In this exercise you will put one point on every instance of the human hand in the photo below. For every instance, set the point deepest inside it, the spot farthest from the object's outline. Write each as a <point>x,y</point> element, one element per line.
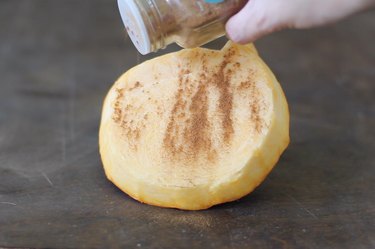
<point>261,17</point>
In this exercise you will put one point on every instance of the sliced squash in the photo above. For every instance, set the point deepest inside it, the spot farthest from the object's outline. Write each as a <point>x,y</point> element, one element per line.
<point>194,128</point>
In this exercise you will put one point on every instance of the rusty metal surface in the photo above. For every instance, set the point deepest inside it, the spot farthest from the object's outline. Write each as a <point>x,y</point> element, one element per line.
<point>58,60</point>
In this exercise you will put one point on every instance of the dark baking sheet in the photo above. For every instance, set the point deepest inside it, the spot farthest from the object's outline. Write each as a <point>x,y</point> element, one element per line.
<point>57,61</point>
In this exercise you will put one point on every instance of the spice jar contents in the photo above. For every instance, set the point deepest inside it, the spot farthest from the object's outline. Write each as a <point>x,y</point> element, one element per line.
<point>154,24</point>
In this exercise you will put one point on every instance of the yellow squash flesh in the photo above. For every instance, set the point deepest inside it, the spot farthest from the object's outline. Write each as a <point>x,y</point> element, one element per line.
<point>194,128</point>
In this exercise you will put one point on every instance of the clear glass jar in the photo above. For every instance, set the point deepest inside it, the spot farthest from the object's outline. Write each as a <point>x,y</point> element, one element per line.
<point>154,24</point>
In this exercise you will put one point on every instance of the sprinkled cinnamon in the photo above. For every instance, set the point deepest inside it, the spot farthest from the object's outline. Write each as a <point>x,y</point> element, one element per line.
<point>197,133</point>
<point>136,85</point>
<point>122,115</point>
<point>254,102</point>
<point>222,81</point>
<point>196,137</point>
<point>117,115</point>
<point>173,131</point>
<point>189,131</point>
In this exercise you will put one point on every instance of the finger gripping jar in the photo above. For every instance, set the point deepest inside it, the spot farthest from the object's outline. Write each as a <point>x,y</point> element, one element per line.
<point>154,24</point>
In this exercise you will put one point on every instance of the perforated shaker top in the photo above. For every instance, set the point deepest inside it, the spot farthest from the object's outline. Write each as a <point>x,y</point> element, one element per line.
<point>135,26</point>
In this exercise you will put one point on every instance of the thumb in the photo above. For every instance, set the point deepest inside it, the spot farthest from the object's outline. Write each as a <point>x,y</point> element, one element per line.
<point>256,19</point>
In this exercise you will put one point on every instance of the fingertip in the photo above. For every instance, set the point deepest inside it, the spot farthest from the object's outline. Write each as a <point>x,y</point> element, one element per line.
<point>239,27</point>
<point>233,31</point>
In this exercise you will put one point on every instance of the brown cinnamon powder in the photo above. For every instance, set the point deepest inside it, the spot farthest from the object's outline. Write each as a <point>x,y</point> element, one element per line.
<point>117,115</point>
<point>136,85</point>
<point>255,118</point>
<point>173,131</point>
<point>121,116</point>
<point>197,137</point>
<point>222,81</point>
<point>191,20</point>
<point>189,134</point>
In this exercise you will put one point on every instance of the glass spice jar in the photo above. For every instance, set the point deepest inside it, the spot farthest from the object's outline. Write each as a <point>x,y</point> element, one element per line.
<point>154,24</point>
